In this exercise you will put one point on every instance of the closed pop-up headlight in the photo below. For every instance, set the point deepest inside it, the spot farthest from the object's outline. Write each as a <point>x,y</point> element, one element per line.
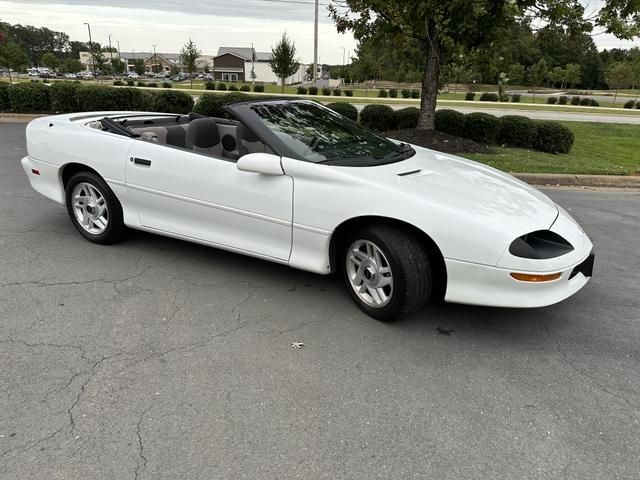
<point>540,245</point>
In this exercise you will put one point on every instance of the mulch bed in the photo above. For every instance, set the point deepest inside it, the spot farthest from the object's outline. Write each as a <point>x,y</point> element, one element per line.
<point>439,141</point>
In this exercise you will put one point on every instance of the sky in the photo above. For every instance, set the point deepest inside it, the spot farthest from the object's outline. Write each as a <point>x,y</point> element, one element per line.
<point>210,23</point>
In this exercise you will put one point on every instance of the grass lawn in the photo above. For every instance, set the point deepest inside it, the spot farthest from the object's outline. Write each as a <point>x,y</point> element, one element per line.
<point>600,149</point>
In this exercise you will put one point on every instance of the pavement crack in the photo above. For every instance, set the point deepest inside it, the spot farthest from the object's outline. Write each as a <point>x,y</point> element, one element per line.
<point>142,458</point>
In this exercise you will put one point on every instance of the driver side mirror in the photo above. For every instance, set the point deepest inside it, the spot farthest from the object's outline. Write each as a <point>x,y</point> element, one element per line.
<point>265,163</point>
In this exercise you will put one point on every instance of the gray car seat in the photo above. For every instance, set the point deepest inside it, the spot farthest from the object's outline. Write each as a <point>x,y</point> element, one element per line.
<point>247,141</point>
<point>203,137</point>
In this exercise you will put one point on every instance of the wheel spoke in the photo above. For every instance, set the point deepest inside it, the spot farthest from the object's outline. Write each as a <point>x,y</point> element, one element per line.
<point>384,281</point>
<point>86,221</point>
<point>358,278</point>
<point>375,295</point>
<point>359,255</point>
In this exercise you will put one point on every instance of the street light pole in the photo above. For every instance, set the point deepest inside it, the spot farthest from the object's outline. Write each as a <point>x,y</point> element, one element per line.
<point>315,46</point>
<point>110,54</point>
<point>93,61</point>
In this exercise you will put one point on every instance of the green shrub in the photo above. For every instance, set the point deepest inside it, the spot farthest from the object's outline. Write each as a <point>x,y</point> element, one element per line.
<point>245,88</point>
<point>209,86</point>
<point>167,85</point>
<point>382,93</point>
<point>585,102</point>
<point>503,97</point>
<point>213,105</point>
<point>378,117</point>
<point>35,80</point>
<point>337,92</point>
<point>594,103</point>
<point>98,98</point>
<point>46,80</point>
<point>575,100</point>
<point>326,91</point>
<point>130,83</point>
<point>489,97</point>
<point>516,97</point>
<point>393,93</point>
<point>30,98</point>
<point>482,127</point>
<point>313,90</point>
<point>258,88</point>
<point>4,96</point>
<point>64,97</point>
<point>407,117</point>
<point>301,90</point>
<point>348,93</point>
<point>406,93</point>
<point>629,104</point>
<point>344,109</point>
<point>415,93</point>
<point>221,86</point>
<point>173,101</point>
<point>552,100</point>
<point>151,85</point>
<point>450,121</point>
<point>563,99</point>
<point>517,131</point>
<point>553,137</point>
<point>470,96</point>
<point>118,83</point>
<point>233,88</point>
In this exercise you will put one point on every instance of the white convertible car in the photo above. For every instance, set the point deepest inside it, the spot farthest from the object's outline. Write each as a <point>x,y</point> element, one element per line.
<point>292,182</point>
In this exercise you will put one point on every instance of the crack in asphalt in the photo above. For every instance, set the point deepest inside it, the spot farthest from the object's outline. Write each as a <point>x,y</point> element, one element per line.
<point>142,458</point>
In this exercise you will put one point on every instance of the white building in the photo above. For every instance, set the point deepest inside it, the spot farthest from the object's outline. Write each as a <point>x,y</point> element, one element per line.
<point>255,66</point>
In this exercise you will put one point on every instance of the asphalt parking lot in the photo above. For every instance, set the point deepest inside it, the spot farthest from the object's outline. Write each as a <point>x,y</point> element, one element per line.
<point>159,359</point>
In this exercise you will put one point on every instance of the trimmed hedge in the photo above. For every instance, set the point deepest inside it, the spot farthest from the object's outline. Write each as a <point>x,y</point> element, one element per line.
<point>563,99</point>
<point>393,93</point>
<point>64,97</point>
<point>345,109</point>
<point>348,93</point>
<point>151,85</point>
<point>4,96</point>
<point>470,96</point>
<point>233,88</point>
<point>130,83</point>
<point>213,105</point>
<point>552,100</point>
<point>326,91</point>
<point>517,131</point>
<point>258,88</point>
<point>245,88</point>
<point>337,92</point>
<point>30,98</point>
<point>489,97</point>
<point>516,97</point>
<point>482,127</point>
<point>172,101</point>
<point>415,93</point>
<point>575,100</point>
<point>301,90</point>
<point>407,117</point>
<point>553,137</point>
<point>378,117</point>
<point>313,90</point>
<point>209,86</point>
<point>97,98</point>
<point>118,83</point>
<point>451,122</point>
<point>406,93</point>
<point>628,104</point>
<point>221,86</point>
<point>167,85</point>
<point>585,102</point>
<point>382,93</point>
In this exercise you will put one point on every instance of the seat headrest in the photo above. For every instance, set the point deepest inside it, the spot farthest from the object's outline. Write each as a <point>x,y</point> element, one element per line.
<point>203,133</point>
<point>245,134</point>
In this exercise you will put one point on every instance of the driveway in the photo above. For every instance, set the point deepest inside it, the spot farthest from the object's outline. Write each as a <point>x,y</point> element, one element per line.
<point>160,359</point>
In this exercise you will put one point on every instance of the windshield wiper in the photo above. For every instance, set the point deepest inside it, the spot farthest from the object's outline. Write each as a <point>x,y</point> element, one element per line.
<point>403,152</point>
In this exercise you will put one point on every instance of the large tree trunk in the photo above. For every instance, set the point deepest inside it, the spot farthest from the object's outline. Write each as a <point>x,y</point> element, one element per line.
<point>430,80</point>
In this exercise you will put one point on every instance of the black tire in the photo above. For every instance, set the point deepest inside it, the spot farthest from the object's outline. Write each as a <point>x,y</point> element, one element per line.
<point>115,228</point>
<point>410,269</point>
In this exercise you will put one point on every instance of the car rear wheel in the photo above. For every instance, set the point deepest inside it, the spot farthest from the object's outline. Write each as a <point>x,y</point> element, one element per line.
<point>386,271</point>
<point>94,209</point>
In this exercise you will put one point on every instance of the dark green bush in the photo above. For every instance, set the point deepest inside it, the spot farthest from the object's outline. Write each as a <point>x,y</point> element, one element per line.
<point>173,101</point>
<point>151,85</point>
<point>98,98</point>
<point>233,88</point>
<point>553,137</point>
<point>503,97</point>
<point>221,86</point>
<point>348,93</point>
<point>258,88</point>
<point>629,104</point>
<point>378,117</point>
<point>313,90</point>
<point>130,83</point>
<point>594,103</point>
<point>575,100</point>
<point>563,99</point>
<point>30,98</point>
<point>516,97</point>
<point>35,80</point>
<point>213,105</point>
<point>393,93</point>
<point>326,91</point>
<point>415,93</point>
<point>382,93</point>
<point>337,92</point>
<point>301,90</point>
<point>470,96</point>
<point>482,127</point>
<point>167,85</point>
<point>118,83</point>
<point>4,96</point>
<point>585,102</point>
<point>245,88</point>
<point>345,109</point>
<point>64,97</point>
<point>450,121</point>
<point>552,100</point>
<point>407,117</point>
<point>46,80</point>
<point>406,93</point>
<point>209,86</point>
<point>517,131</point>
<point>489,97</point>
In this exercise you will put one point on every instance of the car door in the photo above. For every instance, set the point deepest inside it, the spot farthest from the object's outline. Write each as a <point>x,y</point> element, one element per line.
<point>208,199</point>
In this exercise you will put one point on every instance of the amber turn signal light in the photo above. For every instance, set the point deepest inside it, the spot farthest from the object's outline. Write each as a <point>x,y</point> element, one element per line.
<point>525,277</point>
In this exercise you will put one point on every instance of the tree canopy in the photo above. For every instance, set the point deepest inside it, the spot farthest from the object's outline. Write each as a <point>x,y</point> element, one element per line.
<point>283,59</point>
<point>188,56</point>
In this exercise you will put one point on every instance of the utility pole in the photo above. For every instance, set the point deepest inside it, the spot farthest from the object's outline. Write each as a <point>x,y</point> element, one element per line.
<point>155,60</point>
<point>315,47</point>
<point>126,67</point>
<point>111,55</point>
<point>93,61</point>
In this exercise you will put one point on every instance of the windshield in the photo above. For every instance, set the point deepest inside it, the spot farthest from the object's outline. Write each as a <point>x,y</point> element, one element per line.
<point>317,134</point>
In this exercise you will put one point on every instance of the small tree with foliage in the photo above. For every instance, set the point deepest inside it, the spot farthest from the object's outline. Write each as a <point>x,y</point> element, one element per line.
<point>619,75</point>
<point>283,61</point>
<point>537,75</point>
<point>11,55</point>
<point>573,74</point>
<point>138,66</point>
<point>50,61</point>
<point>72,65</point>
<point>188,56</point>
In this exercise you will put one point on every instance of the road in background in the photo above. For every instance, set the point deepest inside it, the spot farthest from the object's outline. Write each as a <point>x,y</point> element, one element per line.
<point>157,358</point>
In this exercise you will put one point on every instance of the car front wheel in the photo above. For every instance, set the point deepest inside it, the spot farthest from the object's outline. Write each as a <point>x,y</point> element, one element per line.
<point>386,271</point>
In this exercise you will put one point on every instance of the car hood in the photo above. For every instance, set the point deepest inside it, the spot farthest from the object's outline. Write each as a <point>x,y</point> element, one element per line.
<point>491,196</point>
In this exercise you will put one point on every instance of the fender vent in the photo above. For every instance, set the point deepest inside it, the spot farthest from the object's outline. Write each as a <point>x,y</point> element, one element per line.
<point>410,172</point>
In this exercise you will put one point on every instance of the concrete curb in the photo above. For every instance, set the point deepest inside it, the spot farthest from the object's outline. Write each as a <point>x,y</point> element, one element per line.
<point>19,117</point>
<point>559,179</point>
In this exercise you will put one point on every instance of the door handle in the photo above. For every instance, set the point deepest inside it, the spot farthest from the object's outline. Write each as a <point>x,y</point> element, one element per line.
<point>141,161</point>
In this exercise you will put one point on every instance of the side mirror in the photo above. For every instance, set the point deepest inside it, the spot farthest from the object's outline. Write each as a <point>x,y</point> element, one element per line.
<point>264,163</point>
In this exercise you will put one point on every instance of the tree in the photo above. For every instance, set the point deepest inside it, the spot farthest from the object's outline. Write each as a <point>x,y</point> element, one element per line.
<point>12,56</point>
<point>515,72</point>
<point>283,61</point>
<point>537,75</point>
<point>118,66</point>
<point>443,29</point>
<point>72,65</point>
<point>138,66</point>
<point>619,75</point>
<point>188,56</point>
<point>573,75</point>
<point>50,61</point>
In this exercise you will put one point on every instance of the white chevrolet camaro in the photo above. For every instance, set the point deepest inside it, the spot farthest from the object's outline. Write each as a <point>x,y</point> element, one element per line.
<point>292,182</point>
